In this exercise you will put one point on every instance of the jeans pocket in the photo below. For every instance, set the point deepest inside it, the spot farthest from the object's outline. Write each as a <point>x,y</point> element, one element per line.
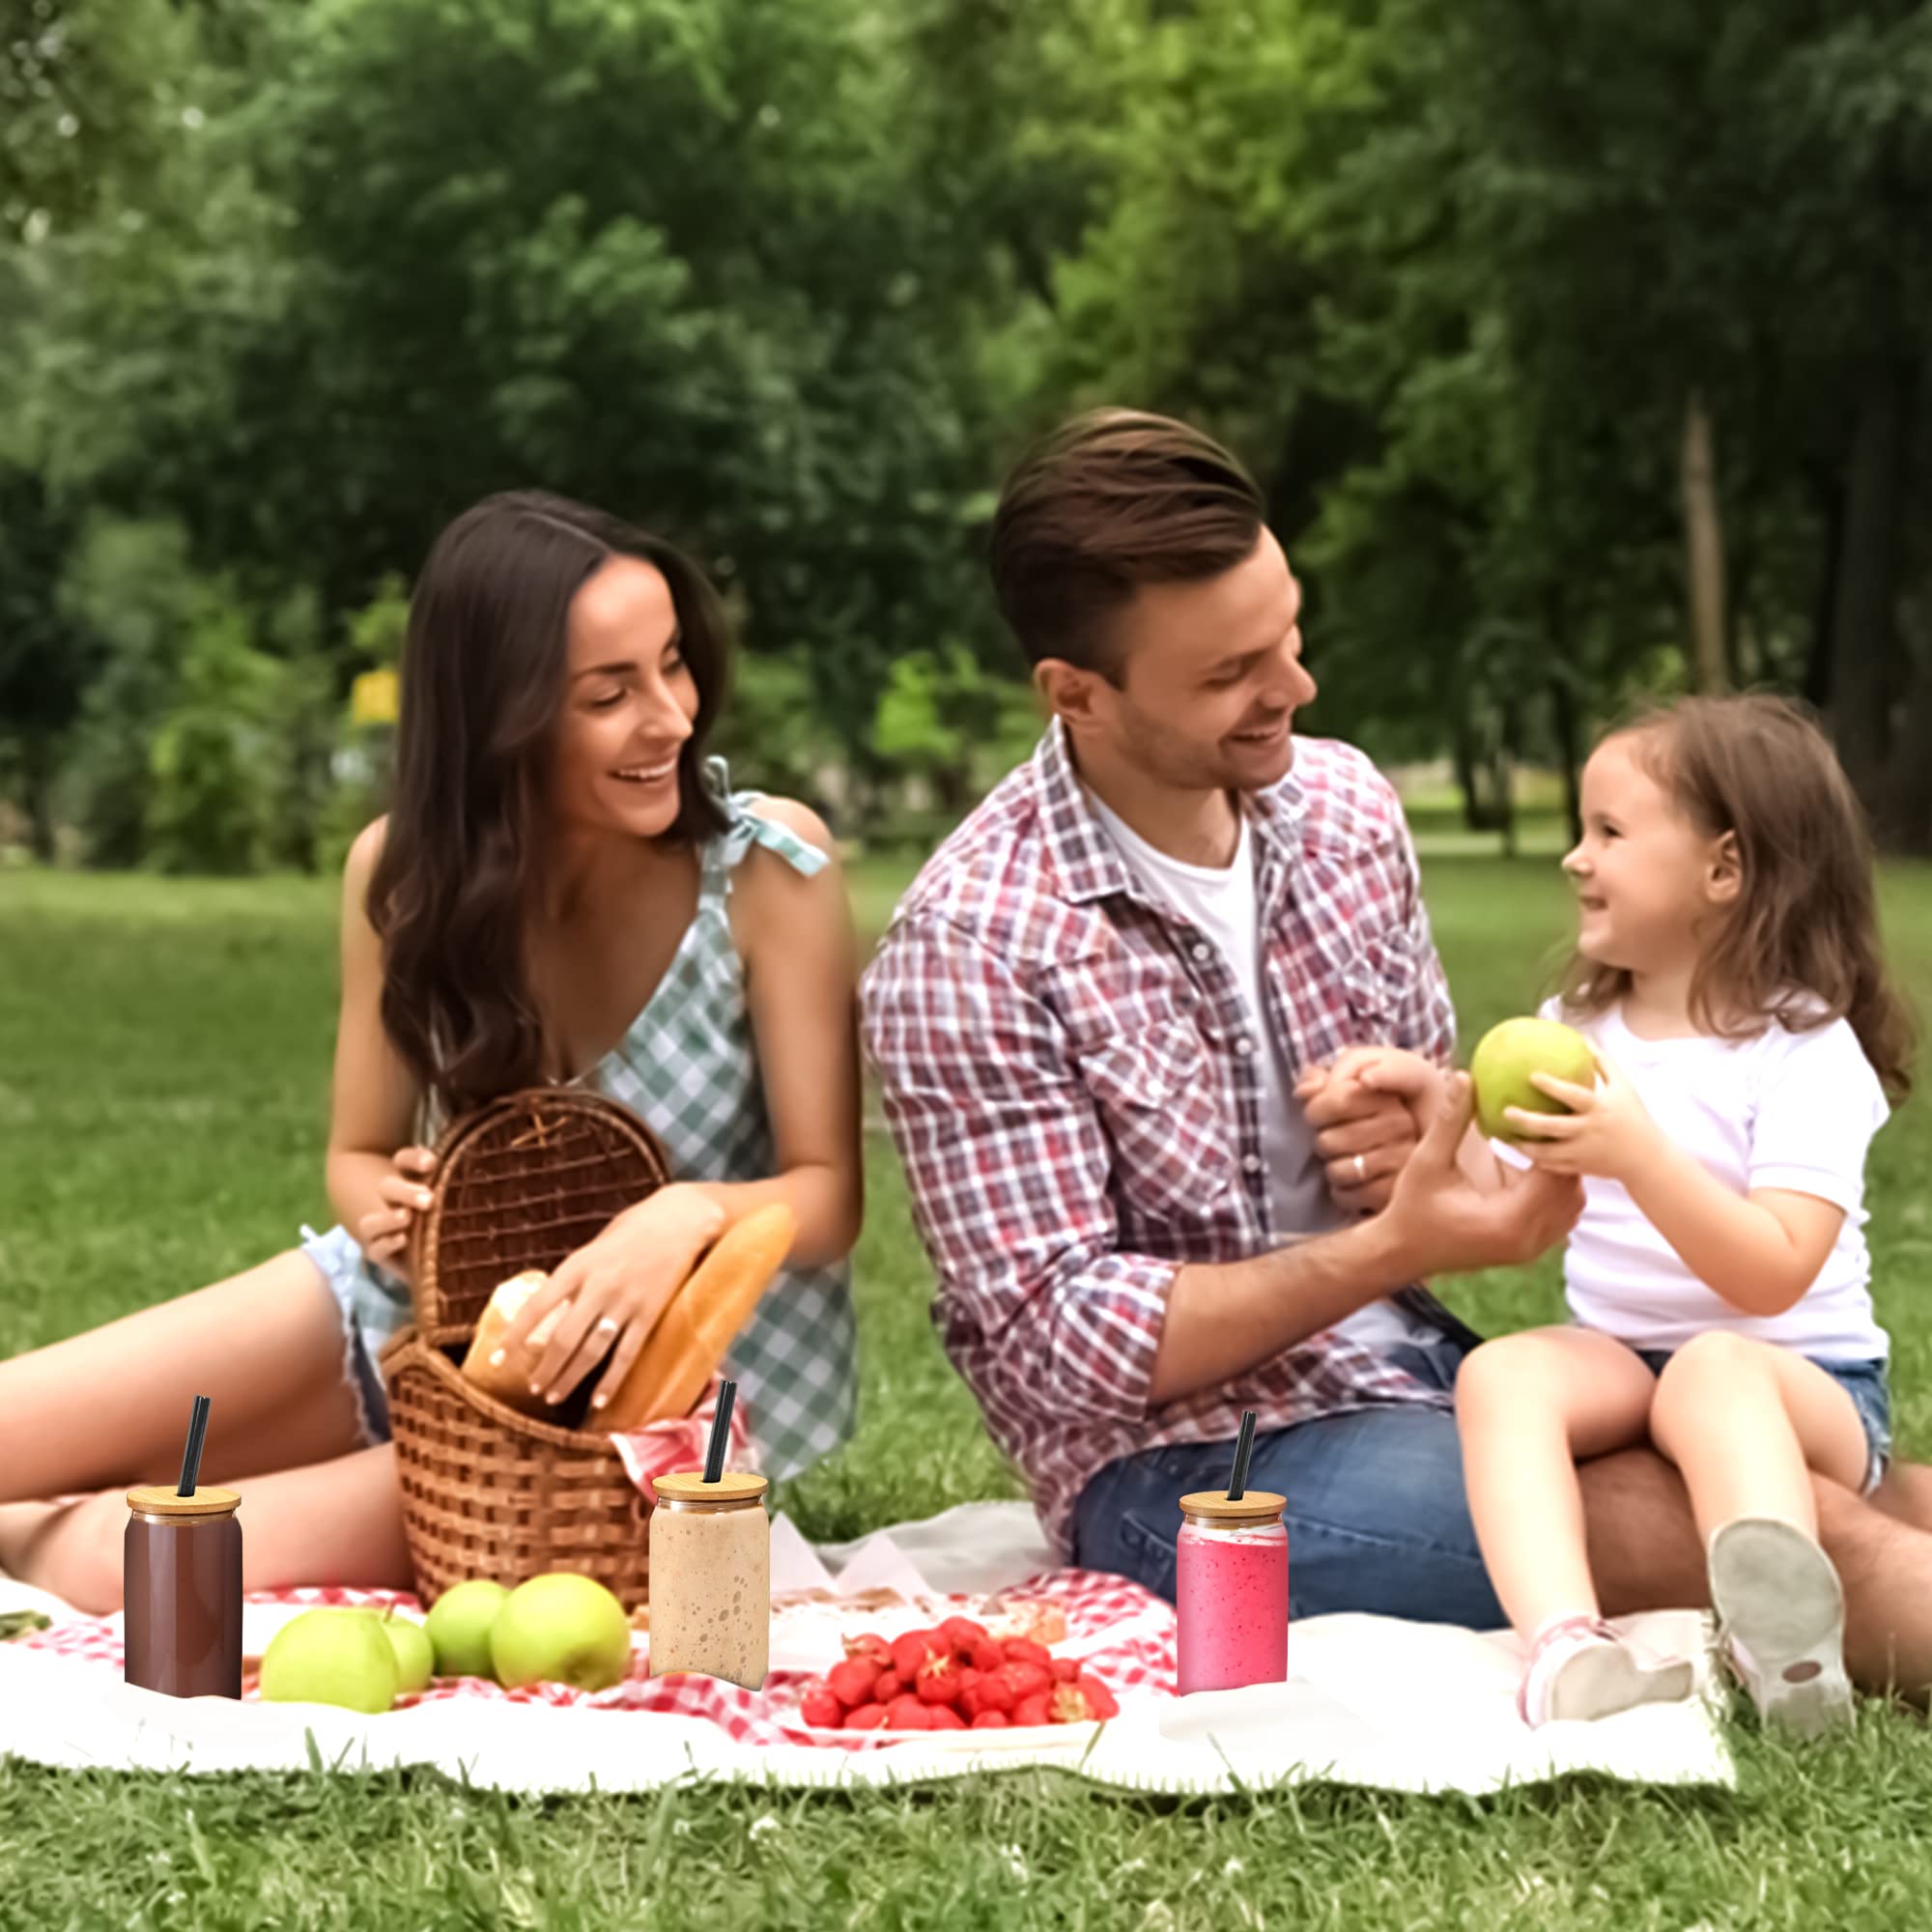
<point>1150,1557</point>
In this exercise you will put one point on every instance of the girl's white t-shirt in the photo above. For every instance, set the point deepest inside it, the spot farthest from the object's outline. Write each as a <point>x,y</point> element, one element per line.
<point>1790,1110</point>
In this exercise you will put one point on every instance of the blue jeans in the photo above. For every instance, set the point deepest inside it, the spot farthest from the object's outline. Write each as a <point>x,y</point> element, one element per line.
<point>1377,1516</point>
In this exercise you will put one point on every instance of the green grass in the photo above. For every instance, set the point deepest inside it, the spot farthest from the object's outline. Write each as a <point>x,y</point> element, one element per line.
<point>164,1084</point>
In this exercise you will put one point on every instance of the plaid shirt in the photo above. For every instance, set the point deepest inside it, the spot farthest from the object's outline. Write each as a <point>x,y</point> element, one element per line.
<point>1070,1077</point>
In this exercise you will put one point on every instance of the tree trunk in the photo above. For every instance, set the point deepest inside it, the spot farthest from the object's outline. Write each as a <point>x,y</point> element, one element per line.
<point>1463,753</point>
<point>1567,728</point>
<point>1909,793</point>
<point>1817,687</point>
<point>1864,622</point>
<point>1507,740</point>
<point>1703,551</point>
<point>37,762</point>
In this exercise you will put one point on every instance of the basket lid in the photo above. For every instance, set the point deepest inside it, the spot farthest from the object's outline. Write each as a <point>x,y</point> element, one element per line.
<point>1256,1506</point>
<point>688,1485</point>
<point>161,1500</point>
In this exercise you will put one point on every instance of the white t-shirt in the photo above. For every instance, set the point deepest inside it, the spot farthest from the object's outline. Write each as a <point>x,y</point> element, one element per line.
<point>1788,1110</point>
<point>1220,903</point>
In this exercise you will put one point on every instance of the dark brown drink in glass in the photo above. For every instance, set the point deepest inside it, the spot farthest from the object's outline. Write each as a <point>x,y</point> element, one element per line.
<point>182,1583</point>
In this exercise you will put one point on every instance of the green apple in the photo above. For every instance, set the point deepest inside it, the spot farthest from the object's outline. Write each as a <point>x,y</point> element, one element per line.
<point>561,1628</point>
<point>459,1627</point>
<point>1505,1058</point>
<point>415,1655</point>
<point>331,1657</point>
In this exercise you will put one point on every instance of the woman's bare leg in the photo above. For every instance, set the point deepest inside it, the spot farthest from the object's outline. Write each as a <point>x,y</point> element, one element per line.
<point>110,1408</point>
<point>335,1523</point>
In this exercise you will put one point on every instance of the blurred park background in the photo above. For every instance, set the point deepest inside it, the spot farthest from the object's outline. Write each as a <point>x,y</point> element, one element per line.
<point>1581,346</point>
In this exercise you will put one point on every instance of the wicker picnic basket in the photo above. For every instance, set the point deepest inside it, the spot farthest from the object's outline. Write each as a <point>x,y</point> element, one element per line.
<point>487,1492</point>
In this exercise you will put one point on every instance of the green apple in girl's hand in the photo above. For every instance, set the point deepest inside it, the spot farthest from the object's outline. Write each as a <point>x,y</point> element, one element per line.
<point>1509,1054</point>
<point>459,1627</point>
<point>331,1657</point>
<point>415,1655</point>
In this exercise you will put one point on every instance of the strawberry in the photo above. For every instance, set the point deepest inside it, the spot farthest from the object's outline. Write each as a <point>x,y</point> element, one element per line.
<point>912,1649</point>
<point>1033,1711</point>
<point>991,1720</point>
<point>866,1717</point>
<point>968,1677</point>
<point>962,1633</point>
<point>1100,1699</point>
<point>819,1706</point>
<point>944,1717</point>
<point>1023,1650</point>
<point>851,1683</point>
<point>1070,1706</point>
<point>907,1714</point>
<point>871,1649</point>
<point>938,1681</point>
<point>992,1693</point>
<point>1026,1680</point>
<point>988,1656</point>
<point>891,1685</point>
<point>1065,1670</point>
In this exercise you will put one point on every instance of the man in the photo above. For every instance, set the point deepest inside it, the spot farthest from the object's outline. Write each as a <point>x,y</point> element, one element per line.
<point>1119,1022</point>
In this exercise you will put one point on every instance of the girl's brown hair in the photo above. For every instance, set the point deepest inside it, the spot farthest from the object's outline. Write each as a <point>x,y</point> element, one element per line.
<point>484,672</point>
<point>1803,930</point>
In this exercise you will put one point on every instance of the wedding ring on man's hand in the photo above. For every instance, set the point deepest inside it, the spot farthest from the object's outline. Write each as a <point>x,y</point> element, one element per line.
<point>608,1326</point>
<point>1361,1169</point>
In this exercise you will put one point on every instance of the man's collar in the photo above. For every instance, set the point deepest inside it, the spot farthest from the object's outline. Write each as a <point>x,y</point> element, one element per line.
<point>1086,864</point>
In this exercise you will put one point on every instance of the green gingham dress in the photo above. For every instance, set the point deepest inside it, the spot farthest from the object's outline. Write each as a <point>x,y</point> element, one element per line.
<point>687,1067</point>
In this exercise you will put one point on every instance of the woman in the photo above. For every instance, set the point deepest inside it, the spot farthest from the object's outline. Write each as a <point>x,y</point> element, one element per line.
<point>565,892</point>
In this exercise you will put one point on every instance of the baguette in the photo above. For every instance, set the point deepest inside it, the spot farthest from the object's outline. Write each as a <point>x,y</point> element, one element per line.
<point>702,1320</point>
<point>509,1381</point>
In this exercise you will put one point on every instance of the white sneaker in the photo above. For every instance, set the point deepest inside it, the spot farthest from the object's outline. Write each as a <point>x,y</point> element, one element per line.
<point>1581,1669</point>
<point>1782,1618</point>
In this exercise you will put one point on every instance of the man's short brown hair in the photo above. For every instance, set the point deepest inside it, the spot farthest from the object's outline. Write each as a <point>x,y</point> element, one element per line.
<point>1102,505</point>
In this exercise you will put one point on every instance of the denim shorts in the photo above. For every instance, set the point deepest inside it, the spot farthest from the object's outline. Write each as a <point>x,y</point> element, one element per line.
<point>1377,1516</point>
<point>370,1314</point>
<point>1866,1385</point>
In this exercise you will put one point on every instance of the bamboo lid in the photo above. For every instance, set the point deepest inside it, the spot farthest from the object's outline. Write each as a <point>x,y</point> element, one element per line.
<point>689,1486</point>
<point>161,1500</point>
<point>1256,1506</point>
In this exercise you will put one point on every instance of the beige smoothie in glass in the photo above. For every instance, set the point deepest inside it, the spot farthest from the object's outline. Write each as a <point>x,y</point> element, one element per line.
<point>711,1577</point>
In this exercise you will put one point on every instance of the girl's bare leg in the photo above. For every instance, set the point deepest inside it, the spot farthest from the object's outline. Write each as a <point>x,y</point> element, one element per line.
<point>335,1523</point>
<point>1529,1407</point>
<point>1747,1424</point>
<point>109,1408</point>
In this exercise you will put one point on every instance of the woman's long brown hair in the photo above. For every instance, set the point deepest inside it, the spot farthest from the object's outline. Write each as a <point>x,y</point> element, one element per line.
<point>484,674</point>
<point>1801,934</point>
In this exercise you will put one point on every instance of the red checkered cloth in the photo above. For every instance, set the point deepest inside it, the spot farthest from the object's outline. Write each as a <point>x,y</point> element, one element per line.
<point>1122,1634</point>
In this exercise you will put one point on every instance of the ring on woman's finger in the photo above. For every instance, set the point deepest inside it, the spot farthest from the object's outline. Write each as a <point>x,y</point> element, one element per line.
<point>1361,1168</point>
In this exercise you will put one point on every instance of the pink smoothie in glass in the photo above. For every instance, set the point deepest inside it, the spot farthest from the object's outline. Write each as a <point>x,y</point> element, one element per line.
<point>1231,1598</point>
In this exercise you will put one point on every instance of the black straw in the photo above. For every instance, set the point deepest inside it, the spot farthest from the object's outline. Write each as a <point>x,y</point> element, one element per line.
<point>1237,1482</point>
<point>197,1433</point>
<point>720,1432</point>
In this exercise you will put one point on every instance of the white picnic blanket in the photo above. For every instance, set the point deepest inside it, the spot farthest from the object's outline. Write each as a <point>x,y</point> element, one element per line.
<point>1369,1700</point>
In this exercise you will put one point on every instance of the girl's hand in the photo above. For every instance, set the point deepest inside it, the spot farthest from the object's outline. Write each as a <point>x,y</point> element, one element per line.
<point>616,1286</point>
<point>1369,1107</point>
<point>383,1233</point>
<point>1607,1133</point>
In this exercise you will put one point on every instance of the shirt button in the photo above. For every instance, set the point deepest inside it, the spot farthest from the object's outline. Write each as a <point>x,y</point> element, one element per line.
<point>1202,951</point>
<point>1252,1162</point>
<point>1244,1045</point>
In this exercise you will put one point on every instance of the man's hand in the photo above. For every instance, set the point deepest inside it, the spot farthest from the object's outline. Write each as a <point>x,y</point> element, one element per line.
<point>1444,1224</point>
<point>1369,1107</point>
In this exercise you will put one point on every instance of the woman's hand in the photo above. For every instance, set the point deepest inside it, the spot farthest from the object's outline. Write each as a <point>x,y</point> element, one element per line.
<point>1607,1133</point>
<point>383,1233</point>
<point>616,1286</point>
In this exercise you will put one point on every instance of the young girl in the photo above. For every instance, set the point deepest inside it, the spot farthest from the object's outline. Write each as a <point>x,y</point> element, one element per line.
<point>1727,976</point>
<point>565,890</point>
